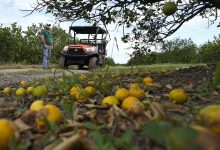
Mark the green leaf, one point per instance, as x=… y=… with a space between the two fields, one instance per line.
x=98 y=138
x=103 y=126
x=183 y=139
x=91 y=126
x=128 y=136
x=67 y=106
x=157 y=131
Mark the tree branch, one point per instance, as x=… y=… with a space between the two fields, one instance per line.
x=144 y=17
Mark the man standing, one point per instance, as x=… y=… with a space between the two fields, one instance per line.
x=46 y=41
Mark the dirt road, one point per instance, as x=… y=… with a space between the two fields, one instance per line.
x=13 y=76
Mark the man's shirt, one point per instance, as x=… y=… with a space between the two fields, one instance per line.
x=47 y=36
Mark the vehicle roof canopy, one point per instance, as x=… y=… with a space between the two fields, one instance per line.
x=87 y=29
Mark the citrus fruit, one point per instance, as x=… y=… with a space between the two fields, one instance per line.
x=40 y=122
x=210 y=114
x=7 y=130
x=147 y=80
x=137 y=108
x=178 y=96
x=137 y=92
x=30 y=89
x=37 y=105
x=133 y=85
x=74 y=90
x=82 y=95
x=169 y=8
x=20 y=91
x=90 y=90
x=121 y=93
x=206 y=138
x=54 y=114
x=23 y=83
x=128 y=102
x=110 y=100
x=7 y=90
x=40 y=90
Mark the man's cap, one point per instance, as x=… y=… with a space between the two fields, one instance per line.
x=47 y=24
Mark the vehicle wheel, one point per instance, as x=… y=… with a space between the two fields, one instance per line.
x=80 y=67
x=62 y=62
x=93 y=63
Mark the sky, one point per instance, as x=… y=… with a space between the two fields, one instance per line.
x=10 y=11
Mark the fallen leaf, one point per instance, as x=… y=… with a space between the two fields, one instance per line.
x=22 y=126
x=169 y=86
x=71 y=143
x=29 y=117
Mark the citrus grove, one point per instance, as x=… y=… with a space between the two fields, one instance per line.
x=106 y=109
x=114 y=109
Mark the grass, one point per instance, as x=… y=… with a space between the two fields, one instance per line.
x=22 y=66
x=154 y=67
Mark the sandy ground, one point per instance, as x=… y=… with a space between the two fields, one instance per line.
x=13 y=76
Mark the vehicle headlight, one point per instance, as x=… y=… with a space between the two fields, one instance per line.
x=90 y=49
x=65 y=48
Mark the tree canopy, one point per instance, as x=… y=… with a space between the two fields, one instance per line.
x=145 y=18
x=21 y=46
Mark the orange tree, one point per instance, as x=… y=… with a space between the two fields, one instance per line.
x=209 y=52
x=150 y=21
x=21 y=46
x=173 y=51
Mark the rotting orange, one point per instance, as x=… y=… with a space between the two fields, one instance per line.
x=30 y=89
x=40 y=90
x=147 y=80
x=137 y=92
x=128 y=102
x=7 y=90
x=121 y=93
x=179 y=96
x=110 y=100
x=20 y=91
x=37 y=105
x=90 y=90
x=54 y=114
x=8 y=132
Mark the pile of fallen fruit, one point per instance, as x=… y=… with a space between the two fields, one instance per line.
x=113 y=110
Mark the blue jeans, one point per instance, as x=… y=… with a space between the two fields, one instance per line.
x=46 y=57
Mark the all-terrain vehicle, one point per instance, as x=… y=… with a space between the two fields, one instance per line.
x=89 y=51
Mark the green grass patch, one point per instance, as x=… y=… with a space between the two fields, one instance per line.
x=155 y=67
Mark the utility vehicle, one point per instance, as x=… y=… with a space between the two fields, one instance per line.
x=89 y=50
